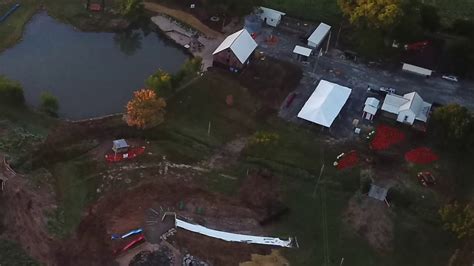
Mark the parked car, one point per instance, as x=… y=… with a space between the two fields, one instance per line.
x=387 y=90
x=450 y=78
x=426 y=179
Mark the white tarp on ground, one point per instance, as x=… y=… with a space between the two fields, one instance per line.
x=325 y=103
x=241 y=43
x=231 y=237
x=302 y=51
x=318 y=35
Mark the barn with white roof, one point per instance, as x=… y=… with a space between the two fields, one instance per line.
x=235 y=51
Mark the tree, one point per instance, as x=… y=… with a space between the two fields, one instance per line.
x=371 y=13
x=454 y=126
x=430 y=18
x=49 y=104
x=458 y=219
x=145 y=110
x=128 y=41
x=11 y=92
x=131 y=8
x=161 y=82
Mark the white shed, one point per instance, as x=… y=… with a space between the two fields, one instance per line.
x=370 y=108
x=325 y=104
x=318 y=35
x=270 y=16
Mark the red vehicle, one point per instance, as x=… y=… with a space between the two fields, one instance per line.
x=426 y=179
x=417 y=46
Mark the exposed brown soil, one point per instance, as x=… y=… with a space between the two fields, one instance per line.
x=370 y=219
x=117 y=213
x=23 y=212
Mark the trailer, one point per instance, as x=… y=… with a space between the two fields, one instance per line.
x=417 y=70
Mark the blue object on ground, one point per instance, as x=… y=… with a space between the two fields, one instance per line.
x=9 y=12
x=133 y=232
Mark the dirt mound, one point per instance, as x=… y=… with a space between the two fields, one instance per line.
x=260 y=191
x=118 y=213
x=217 y=252
x=23 y=209
x=370 y=219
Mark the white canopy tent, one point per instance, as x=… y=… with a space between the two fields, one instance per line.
x=300 y=50
x=324 y=105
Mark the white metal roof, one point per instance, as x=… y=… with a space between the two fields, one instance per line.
x=411 y=101
x=241 y=44
x=271 y=13
x=325 y=103
x=302 y=50
x=377 y=192
x=319 y=33
x=393 y=102
x=371 y=105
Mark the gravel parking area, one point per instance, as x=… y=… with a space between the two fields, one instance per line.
x=357 y=77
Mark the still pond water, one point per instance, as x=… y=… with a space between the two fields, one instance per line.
x=92 y=74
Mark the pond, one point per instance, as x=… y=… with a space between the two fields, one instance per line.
x=91 y=74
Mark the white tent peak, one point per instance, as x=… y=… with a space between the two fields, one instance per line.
x=240 y=43
x=324 y=105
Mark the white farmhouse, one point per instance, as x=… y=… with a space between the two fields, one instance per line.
x=407 y=108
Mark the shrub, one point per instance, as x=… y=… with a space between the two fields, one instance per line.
x=11 y=92
x=49 y=104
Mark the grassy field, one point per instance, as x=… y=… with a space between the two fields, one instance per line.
x=11 y=29
x=316 y=10
x=297 y=157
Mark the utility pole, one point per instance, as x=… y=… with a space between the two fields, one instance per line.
x=329 y=40
x=338 y=33
x=319 y=178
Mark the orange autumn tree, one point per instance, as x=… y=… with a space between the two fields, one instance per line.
x=145 y=110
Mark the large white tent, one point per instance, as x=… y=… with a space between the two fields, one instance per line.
x=325 y=103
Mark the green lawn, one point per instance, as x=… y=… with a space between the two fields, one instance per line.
x=297 y=157
x=11 y=29
x=316 y=10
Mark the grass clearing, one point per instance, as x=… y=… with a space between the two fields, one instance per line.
x=76 y=183
x=12 y=28
x=315 y=10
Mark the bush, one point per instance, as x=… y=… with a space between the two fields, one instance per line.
x=49 y=104
x=12 y=254
x=430 y=18
x=160 y=82
x=11 y=92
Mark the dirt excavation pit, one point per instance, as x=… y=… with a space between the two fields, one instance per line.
x=370 y=219
x=125 y=211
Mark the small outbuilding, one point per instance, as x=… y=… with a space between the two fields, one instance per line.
x=318 y=35
x=407 y=108
x=120 y=146
x=325 y=104
x=378 y=193
x=370 y=108
x=302 y=53
x=235 y=51
x=270 y=16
